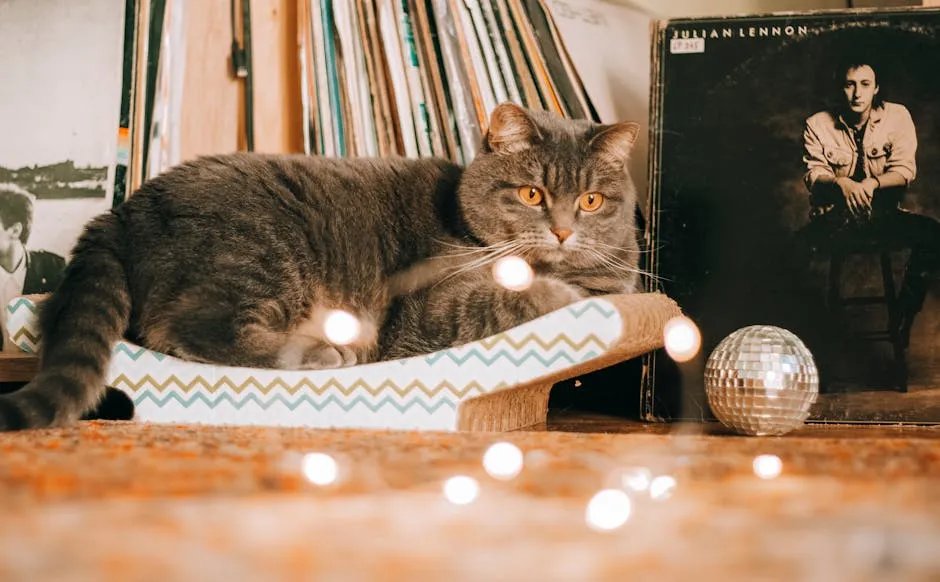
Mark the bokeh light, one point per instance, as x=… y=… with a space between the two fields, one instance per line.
x=513 y=273
x=320 y=468
x=636 y=479
x=681 y=338
x=461 y=490
x=503 y=460
x=767 y=466
x=662 y=487
x=608 y=509
x=341 y=327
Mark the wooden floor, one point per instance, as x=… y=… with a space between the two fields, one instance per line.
x=131 y=501
x=585 y=422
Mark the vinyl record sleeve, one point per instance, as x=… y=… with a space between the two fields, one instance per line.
x=795 y=182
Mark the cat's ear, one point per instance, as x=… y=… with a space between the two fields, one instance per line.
x=614 y=142
x=510 y=130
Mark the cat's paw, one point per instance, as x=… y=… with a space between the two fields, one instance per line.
x=321 y=356
x=350 y=357
x=327 y=356
x=548 y=294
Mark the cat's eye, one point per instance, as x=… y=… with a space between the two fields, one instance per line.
x=591 y=201
x=531 y=195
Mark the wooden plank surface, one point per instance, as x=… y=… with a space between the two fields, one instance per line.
x=213 y=100
x=276 y=61
x=17 y=366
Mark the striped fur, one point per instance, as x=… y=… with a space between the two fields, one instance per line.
x=235 y=259
x=227 y=259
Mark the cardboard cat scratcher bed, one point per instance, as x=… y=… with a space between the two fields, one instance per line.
x=498 y=383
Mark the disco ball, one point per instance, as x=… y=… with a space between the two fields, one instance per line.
x=761 y=380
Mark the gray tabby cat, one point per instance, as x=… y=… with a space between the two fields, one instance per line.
x=236 y=259
x=553 y=191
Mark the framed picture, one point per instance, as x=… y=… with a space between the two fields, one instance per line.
x=68 y=116
x=795 y=182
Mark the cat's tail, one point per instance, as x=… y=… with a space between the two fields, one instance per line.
x=79 y=321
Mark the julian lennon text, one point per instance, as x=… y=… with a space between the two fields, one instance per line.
x=762 y=31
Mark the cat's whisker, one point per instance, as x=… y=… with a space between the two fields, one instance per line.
x=617 y=265
x=528 y=250
x=493 y=257
x=492 y=254
x=606 y=258
x=605 y=262
x=596 y=243
x=499 y=244
x=478 y=251
x=481 y=262
x=429 y=273
x=616 y=257
x=613 y=260
x=628 y=269
x=483 y=250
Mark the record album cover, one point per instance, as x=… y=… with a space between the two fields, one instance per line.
x=795 y=182
x=66 y=126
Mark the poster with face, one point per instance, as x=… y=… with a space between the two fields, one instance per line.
x=62 y=75
x=796 y=183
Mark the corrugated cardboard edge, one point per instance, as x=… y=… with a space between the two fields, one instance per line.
x=643 y=317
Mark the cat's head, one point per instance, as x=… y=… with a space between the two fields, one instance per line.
x=559 y=188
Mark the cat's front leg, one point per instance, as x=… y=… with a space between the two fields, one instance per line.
x=603 y=284
x=468 y=308
x=490 y=308
x=547 y=294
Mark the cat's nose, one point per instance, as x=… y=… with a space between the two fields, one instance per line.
x=562 y=233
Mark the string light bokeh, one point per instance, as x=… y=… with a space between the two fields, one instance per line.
x=513 y=273
x=681 y=338
x=608 y=509
x=503 y=460
x=625 y=486
x=629 y=487
x=341 y=327
x=636 y=479
x=320 y=468
x=461 y=489
x=767 y=466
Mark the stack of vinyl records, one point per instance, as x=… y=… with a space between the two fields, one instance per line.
x=420 y=77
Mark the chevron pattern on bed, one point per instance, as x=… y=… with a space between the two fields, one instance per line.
x=422 y=392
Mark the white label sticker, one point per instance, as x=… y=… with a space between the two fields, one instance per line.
x=686 y=45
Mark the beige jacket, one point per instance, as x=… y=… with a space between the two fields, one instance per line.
x=890 y=145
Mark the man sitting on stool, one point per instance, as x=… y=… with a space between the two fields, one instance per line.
x=859 y=162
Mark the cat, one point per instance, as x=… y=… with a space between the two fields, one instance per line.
x=236 y=259
x=551 y=190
